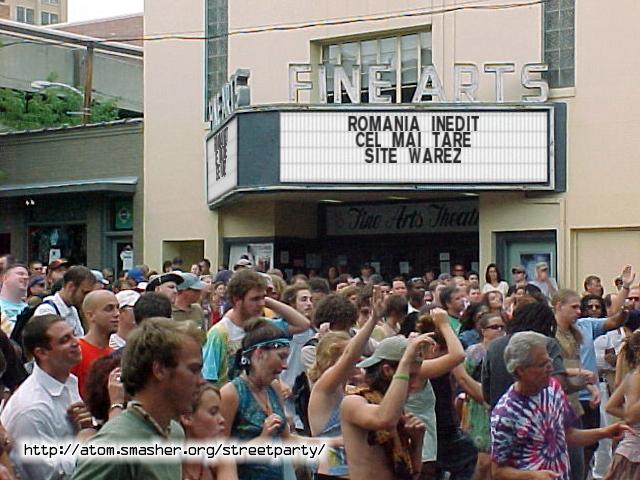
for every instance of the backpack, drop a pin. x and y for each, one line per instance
(23, 318)
(301, 394)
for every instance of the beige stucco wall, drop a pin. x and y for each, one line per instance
(175, 204)
(602, 121)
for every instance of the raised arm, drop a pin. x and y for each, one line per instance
(616, 320)
(385, 415)
(437, 367)
(336, 375)
(298, 323)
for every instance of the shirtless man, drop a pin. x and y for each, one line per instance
(378, 408)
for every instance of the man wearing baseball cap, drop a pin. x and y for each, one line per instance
(55, 271)
(544, 282)
(186, 306)
(166, 284)
(381, 440)
(126, 300)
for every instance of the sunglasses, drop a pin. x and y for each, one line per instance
(634, 299)
(495, 327)
(516, 271)
(594, 307)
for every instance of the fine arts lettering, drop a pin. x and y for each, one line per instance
(435, 216)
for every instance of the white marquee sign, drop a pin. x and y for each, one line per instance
(478, 148)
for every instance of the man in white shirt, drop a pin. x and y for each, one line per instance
(47, 406)
(78, 281)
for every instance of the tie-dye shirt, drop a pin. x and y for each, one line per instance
(528, 432)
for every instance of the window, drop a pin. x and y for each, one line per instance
(49, 18)
(25, 15)
(51, 2)
(216, 47)
(406, 55)
(559, 42)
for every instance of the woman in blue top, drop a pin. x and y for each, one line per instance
(252, 408)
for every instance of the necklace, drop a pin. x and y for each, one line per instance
(136, 407)
(264, 404)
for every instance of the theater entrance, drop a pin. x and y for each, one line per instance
(405, 238)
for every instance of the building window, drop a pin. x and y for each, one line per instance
(25, 15)
(559, 42)
(405, 54)
(49, 18)
(51, 2)
(217, 47)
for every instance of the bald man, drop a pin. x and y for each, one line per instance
(101, 311)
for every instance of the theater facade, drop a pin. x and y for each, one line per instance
(337, 135)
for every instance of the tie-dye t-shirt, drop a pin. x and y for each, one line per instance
(528, 432)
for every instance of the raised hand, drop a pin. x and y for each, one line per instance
(628, 276)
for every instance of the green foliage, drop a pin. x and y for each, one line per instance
(54, 107)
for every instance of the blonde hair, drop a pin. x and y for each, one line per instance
(329, 349)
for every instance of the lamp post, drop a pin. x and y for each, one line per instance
(40, 85)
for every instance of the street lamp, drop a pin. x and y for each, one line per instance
(40, 85)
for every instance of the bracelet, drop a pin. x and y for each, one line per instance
(116, 405)
(401, 376)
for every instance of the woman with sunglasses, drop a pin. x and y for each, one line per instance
(475, 415)
(251, 407)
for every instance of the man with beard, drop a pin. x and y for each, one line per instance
(246, 291)
(77, 283)
(161, 371)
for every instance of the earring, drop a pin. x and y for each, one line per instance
(245, 361)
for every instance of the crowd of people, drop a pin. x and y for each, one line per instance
(440, 376)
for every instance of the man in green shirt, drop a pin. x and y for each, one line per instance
(452, 300)
(161, 371)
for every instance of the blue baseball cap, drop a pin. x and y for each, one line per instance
(191, 281)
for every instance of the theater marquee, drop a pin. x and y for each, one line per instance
(456, 146)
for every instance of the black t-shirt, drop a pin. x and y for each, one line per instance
(446, 416)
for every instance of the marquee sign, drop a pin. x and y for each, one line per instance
(449, 147)
(222, 160)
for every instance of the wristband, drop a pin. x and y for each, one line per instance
(116, 405)
(401, 376)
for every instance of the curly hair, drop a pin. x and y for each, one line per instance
(632, 350)
(535, 316)
(336, 310)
